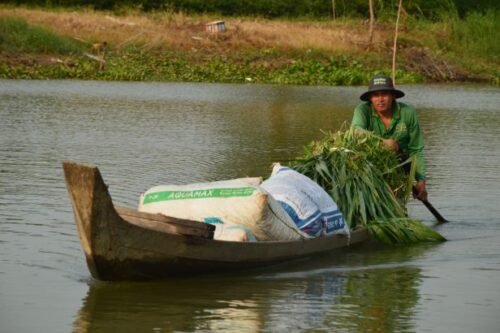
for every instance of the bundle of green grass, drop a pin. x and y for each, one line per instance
(368, 184)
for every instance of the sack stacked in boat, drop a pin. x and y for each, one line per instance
(238, 201)
(233, 233)
(310, 207)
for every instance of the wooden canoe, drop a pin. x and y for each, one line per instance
(124, 244)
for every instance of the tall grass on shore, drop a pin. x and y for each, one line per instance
(471, 42)
(16, 35)
(478, 34)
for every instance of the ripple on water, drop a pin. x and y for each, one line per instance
(142, 135)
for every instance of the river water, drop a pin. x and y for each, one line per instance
(146, 134)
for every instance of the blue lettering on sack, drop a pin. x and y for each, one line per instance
(311, 225)
(334, 221)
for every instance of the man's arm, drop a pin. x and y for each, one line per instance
(416, 149)
(416, 146)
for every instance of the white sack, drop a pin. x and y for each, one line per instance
(302, 210)
(314, 211)
(238, 201)
(233, 233)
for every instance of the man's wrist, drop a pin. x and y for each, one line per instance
(419, 177)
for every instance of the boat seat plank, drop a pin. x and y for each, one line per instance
(176, 225)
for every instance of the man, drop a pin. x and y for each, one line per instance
(395, 122)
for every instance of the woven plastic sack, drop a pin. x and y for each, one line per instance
(238, 201)
(318, 213)
(233, 233)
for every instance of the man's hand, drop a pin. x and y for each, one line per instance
(391, 144)
(420, 191)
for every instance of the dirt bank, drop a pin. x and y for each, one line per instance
(247, 44)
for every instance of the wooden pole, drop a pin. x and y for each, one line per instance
(372, 20)
(431, 208)
(396, 42)
(334, 10)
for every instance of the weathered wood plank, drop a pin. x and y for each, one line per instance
(167, 223)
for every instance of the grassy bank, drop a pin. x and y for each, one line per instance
(167, 46)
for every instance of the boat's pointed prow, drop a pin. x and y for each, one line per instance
(92, 205)
(85, 185)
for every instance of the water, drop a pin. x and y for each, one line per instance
(146, 134)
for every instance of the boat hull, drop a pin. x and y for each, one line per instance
(124, 244)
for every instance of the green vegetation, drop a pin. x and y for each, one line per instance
(279, 8)
(66, 58)
(173, 67)
(139, 66)
(472, 42)
(16, 35)
(171, 46)
(478, 34)
(366, 181)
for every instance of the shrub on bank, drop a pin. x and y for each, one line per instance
(279, 8)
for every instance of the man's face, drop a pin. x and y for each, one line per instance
(382, 101)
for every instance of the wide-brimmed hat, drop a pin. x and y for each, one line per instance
(381, 83)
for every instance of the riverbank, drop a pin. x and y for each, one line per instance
(176, 47)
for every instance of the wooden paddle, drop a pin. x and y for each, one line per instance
(431, 208)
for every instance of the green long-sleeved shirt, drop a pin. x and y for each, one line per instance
(404, 128)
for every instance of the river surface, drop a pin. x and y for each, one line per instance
(146, 134)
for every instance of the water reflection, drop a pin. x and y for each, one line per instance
(350, 293)
(146, 134)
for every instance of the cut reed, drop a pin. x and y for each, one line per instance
(367, 182)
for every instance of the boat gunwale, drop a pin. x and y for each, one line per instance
(120, 242)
